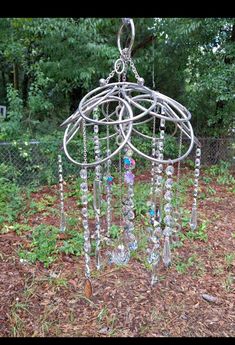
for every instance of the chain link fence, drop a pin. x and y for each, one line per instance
(36, 163)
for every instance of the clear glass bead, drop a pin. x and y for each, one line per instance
(96, 138)
(153, 258)
(87, 247)
(132, 242)
(84, 211)
(130, 226)
(168, 208)
(158, 191)
(198, 152)
(168, 220)
(129, 152)
(96, 142)
(131, 215)
(84, 186)
(169, 183)
(157, 231)
(84, 199)
(160, 156)
(162, 121)
(159, 168)
(196, 182)
(96, 128)
(86, 236)
(154, 239)
(158, 179)
(149, 229)
(85, 223)
(197, 162)
(160, 145)
(83, 173)
(167, 231)
(162, 134)
(98, 169)
(169, 170)
(168, 195)
(197, 172)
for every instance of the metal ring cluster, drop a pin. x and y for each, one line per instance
(127, 97)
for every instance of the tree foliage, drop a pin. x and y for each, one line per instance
(48, 64)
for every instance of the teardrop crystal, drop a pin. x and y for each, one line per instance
(193, 221)
(166, 255)
(97, 194)
(62, 223)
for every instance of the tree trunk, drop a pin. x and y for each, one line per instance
(25, 86)
(4, 85)
(15, 76)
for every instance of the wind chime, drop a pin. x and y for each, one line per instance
(109, 118)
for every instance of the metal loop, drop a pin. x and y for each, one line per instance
(119, 63)
(126, 21)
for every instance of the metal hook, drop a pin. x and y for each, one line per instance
(126, 22)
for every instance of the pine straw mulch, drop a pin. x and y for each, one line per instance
(35, 302)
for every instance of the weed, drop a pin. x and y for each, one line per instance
(229, 282)
(211, 190)
(74, 245)
(43, 245)
(58, 282)
(200, 233)
(11, 200)
(115, 231)
(102, 314)
(182, 267)
(229, 260)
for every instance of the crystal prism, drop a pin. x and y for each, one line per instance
(62, 223)
(193, 221)
(97, 194)
(166, 255)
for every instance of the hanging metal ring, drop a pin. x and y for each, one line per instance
(126, 21)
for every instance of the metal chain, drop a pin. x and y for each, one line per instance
(84, 140)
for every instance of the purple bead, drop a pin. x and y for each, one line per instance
(129, 177)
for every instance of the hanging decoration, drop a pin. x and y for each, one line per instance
(61, 183)
(110, 117)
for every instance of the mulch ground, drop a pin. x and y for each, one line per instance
(34, 301)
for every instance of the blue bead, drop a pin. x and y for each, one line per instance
(152, 213)
(127, 161)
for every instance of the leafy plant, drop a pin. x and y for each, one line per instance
(43, 245)
(182, 267)
(74, 245)
(114, 231)
(11, 200)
